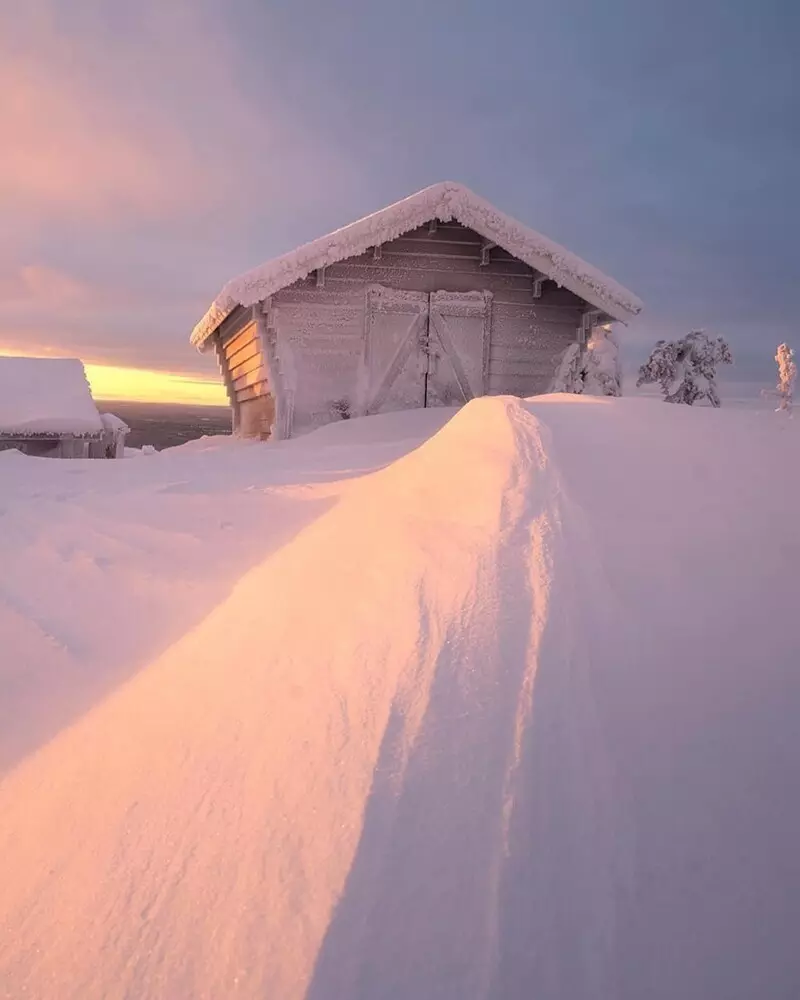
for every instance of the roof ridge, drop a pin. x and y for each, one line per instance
(444, 200)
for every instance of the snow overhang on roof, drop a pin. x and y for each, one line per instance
(445, 202)
(46, 397)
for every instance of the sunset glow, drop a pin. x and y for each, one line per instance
(142, 384)
(112, 382)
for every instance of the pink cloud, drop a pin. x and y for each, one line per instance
(74, 151)
(42, 285)
(135, 150)
(143, 120)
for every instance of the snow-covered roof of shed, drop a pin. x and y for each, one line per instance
(46, 396)
(111, 422)
(445, 202)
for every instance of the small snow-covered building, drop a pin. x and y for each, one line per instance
(430, 302)
(46, 409)
(112, 443)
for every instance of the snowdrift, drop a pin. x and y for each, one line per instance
(507, 718)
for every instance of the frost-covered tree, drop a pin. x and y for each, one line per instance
(686, 369)
(787, 375)
(569, 374)
(602, 369)
(594, 370)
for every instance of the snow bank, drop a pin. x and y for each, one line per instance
(445, 202)
(506, 717)
(46, 396)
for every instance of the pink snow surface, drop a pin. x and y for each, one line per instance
(46, 396)
(445, 201)
(504, 708)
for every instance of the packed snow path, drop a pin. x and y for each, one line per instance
(512, 716)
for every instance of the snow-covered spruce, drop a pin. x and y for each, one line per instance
(787, 375)
(686, 369)
(603, 372)
(595, 371)
(569, 374)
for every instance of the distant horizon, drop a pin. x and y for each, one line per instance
(120, 383)
(113, 384)
(159, 402)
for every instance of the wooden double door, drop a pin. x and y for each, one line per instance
(425, 348)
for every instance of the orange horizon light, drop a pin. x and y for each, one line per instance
(144, 385)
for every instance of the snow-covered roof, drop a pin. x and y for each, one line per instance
(445, 202)
(48, 396)
(112, 422)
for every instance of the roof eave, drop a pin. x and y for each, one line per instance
(19, 434)
(445, 201)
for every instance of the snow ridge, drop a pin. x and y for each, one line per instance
(489, 722)
(425, 681)
(446, 202)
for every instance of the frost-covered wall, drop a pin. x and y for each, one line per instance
(307, 351)
(446, 202)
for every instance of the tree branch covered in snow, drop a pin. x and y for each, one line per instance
(595, 371)
(686, 369)
(569, 374)
(787, 375)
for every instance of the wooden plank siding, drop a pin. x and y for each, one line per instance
(318, 350)
(250, 364)
(240, 340)
(527, 334)
(246, 374)
(314, 333)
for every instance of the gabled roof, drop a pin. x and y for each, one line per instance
(446, 202)
(46, 396)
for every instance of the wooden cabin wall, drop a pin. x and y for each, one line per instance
(319, 342)
(319, 324)
(527, 334)
(245, 371)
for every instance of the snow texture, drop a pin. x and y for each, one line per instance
(595, 370)
(602, 369)
(445, 202)
(46, 396)
(474, 705)
(686, 369)
(787, 375)
(114, 424)
(570, 370)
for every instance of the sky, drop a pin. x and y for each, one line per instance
(152, 151)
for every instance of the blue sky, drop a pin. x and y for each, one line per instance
(153, 150)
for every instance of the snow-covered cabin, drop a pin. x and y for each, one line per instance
(429, 302)
(46, 409)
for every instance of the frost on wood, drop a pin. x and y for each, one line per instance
(787, 375)
(686, 369)
(595, 371)
(444, 202)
